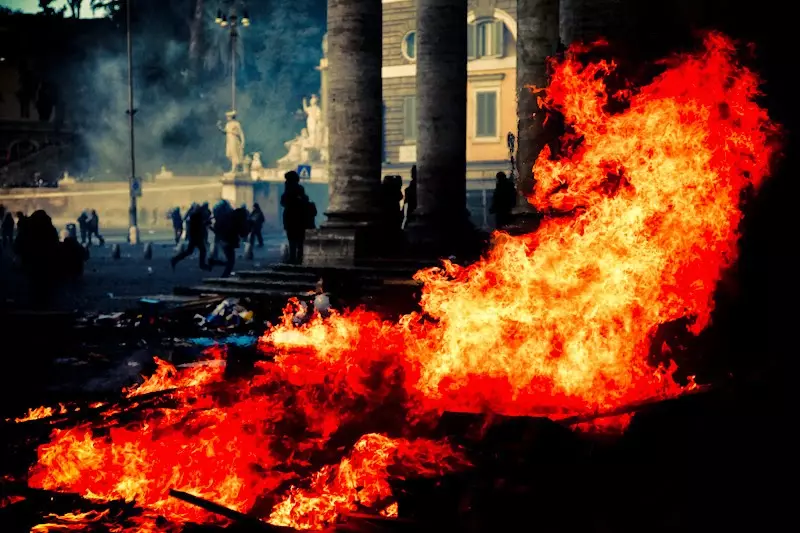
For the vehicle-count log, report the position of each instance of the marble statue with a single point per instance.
(313, 120)
(298, 150)
(256, 167)
(234, 141)
(164, 173)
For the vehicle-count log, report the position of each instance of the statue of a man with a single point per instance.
(234, 140)
(313, 120)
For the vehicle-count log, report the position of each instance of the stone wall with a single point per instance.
(111, 199)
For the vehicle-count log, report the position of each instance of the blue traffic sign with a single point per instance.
(304, 171)
(136, 187)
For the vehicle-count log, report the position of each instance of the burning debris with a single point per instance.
(555, 324)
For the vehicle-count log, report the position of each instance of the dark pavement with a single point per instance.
(115, 285)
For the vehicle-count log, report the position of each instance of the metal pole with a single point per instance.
(133, 232)
(233, 64)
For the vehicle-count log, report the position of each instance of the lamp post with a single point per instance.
(133, 185)
(232, 22)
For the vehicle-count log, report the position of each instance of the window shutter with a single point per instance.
(498, 34)
(410, 118)
(491, 114)
(471, 41)
(480, 115)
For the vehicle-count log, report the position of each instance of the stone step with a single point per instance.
(265, 284)
(361, 271)
(232, 290)
(269, 273)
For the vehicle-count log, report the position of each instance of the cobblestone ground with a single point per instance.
(115, 285)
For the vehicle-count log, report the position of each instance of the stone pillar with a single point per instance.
(323, 80)
(537, 39)
(441, 218)
(354, 122)
(588, 20)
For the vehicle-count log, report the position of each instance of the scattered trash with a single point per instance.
(242, 341)
(227, 314)
(150, 270)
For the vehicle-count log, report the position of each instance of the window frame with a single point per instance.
(404, 46)
(493, 42)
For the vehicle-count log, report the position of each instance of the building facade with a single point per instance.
(491, 84)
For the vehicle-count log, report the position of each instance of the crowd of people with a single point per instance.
(43, 256)
(229, 227)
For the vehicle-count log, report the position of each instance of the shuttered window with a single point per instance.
(486, 114)
(410, 118)
(486, 38)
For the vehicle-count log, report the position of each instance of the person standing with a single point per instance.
(83, 225)
(410, 197)
(503, 200)
(256, 226)
(295, 216)
(196, 236)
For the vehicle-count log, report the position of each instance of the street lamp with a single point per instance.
(232, 21)
(133, 184)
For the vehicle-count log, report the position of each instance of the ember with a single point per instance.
(556, 323)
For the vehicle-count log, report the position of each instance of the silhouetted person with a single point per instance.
(410, 197)
(391, 196)
(83, 225)
(230, 228)
(177, 223)
(196, 237)
(256, 226)
(295, 216)
(7, 230)
(93, 227)
(37, 247)
(503, 200)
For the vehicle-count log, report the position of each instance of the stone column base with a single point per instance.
(437, 239)
(523, 221)
(338, 246)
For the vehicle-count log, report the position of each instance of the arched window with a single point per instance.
(486, 38)
(410, 46)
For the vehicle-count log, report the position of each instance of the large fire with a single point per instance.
(554, 323)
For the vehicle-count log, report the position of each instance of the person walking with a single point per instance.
(93, 225)
(196, 237)
(256, 226)
(177, 223)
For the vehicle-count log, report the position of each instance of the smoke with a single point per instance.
(177, 107)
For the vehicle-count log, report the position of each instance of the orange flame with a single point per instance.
(554, 323)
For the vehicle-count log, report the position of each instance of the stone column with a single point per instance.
(441, 218)
(354, 121)
(323, 80)
(537, 39)
(588, 20)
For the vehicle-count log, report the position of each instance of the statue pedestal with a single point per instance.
(237, 188)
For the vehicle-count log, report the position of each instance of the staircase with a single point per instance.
(376, 281)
